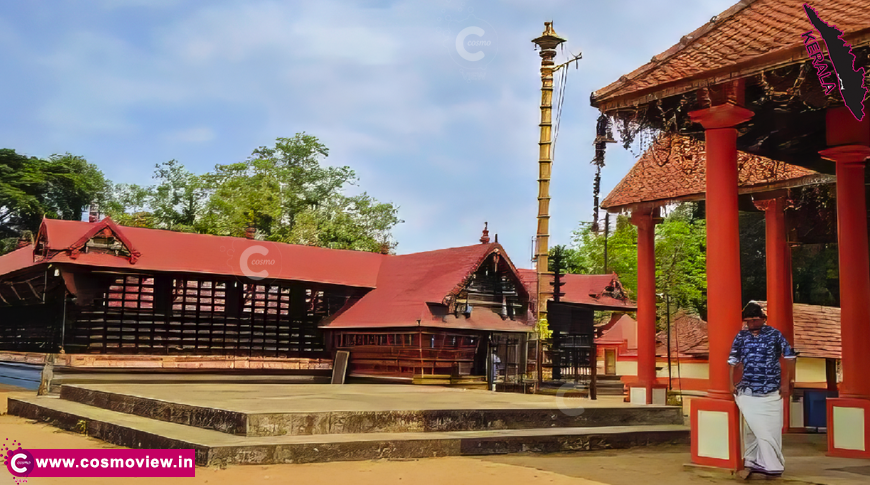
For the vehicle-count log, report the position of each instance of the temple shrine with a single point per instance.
(743, 86)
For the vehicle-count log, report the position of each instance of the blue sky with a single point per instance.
(129, 84)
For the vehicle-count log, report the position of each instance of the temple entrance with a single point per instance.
(570, 353)
(610, 362)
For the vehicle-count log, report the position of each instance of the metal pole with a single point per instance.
(63, 321)
(668, 309)
(606, 234)
(547, 43)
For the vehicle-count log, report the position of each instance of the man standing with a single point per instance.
(758, 348)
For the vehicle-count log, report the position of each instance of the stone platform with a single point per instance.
(303, 423)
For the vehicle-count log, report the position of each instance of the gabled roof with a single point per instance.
(582, 289)
(407, 284)
(688, 337)
(16, 260)
(749, 37)
(179, 252)
(622, 330)
(674, 169)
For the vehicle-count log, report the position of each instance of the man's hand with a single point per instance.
(731, 385)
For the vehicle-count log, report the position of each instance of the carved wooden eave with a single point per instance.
(761, 189)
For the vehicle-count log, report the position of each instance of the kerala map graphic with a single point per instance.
(850, 80)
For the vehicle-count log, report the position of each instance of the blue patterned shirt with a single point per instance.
(760, 358)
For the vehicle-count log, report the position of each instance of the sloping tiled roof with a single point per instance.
(688, 337)
(816, 330)
(406, 284)
(741, 41)
(16, 260)
(674, 168)
(170, 251)
(624, 329)
(816, 333)
(581, 289)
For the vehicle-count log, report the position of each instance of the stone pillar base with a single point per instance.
(716, 439)
(639, 395)
(849, 427)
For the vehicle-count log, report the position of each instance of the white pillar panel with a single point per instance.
(848, 428)
(660, 396)
(713, 436)
(796, 413)
(637, 395)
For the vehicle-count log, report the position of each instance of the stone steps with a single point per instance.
(219, 448)
(311, 422)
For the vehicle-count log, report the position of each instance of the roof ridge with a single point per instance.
(685, 41)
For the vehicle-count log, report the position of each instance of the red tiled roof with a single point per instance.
(407, 284)
(171, 251)
(674, 168)
(816, 333)
(743, 40)
(581, 289)
(688, 337)
(16, 260)
(624, 329)
(816, 330)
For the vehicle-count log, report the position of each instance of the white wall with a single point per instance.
(626, 368)
(685, 370)
(810, 369)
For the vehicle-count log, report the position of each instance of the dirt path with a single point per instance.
(435, 471)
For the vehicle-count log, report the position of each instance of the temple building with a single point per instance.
(744, 85)
(85, 291)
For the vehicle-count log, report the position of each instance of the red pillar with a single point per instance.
(646, 310)
(854, 268)
(724, 300)
(780, 297)
(849, 414)
(715, 431)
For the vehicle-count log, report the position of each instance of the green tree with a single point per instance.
(285, 193)
(282, 191)
(681, 259)
(680, 256)
(60, 187)
(587, 253)
(178, 199)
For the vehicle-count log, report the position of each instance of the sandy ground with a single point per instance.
(641, 466)
(449, 470)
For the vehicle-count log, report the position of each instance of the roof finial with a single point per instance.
(484, 239)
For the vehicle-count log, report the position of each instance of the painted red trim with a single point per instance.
(848, 403)
(75, 248)
(735, 461)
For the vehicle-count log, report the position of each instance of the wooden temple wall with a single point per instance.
(146, 314)
(403, 353)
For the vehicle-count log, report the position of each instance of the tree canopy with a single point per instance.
(680, 256)
(31, 188)
(283, 192)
